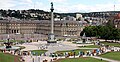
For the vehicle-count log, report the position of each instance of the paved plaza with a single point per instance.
(51, 48)
(23, 36)
(61, 46)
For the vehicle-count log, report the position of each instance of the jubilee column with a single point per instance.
(51, 37)
(52, 18)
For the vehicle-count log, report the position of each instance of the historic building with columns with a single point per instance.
(17, 27)
(61, 28)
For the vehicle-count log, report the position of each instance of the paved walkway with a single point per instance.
(59, 47)
(72, 44)
(50, 47)
(53, 48)
(36, 58)
(110, 60)
(28, 47)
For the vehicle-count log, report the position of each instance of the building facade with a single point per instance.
(17, 27)
(61, 28)
(116, 21)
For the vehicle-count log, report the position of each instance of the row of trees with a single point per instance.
(104, 32)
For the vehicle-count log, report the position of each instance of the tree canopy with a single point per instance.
(104, 32)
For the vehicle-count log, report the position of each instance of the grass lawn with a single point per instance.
(2, 40)
(8, 58)
(38, 52)
(77, 51)
(91, 46)
(112, 55)
(85, 59)
(111, 44)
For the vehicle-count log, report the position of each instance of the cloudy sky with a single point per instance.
(62, 5)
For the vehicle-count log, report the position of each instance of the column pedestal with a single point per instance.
(51, 38)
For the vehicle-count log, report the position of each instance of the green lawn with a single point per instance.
(84, 59)
(17, 41)
(8, 58)
(91, 46)
(38, 52)
(2, 40)
(77, 51)
(111, 44)
(112, 55)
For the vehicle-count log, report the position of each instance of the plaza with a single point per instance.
(63, 46)
(40, 50)
(57, 37)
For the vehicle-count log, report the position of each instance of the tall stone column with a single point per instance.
(52, 18)
(51, 37)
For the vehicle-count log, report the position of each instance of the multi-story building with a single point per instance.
(12, 27)
(61, 28)
(71, 18)
(78, 17)
(116, 21)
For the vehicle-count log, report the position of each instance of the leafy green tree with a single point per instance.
(104, 32)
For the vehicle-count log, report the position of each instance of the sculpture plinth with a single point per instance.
(51, 38)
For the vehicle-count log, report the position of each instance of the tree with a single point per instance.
(104, 32)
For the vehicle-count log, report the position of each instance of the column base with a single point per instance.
(51, 41)
(51, 38)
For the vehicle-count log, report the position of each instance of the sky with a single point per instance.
(62, 6)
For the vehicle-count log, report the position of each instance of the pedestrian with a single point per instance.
(80, 53)
(33, 59)
(51, 60)
(74, 54)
